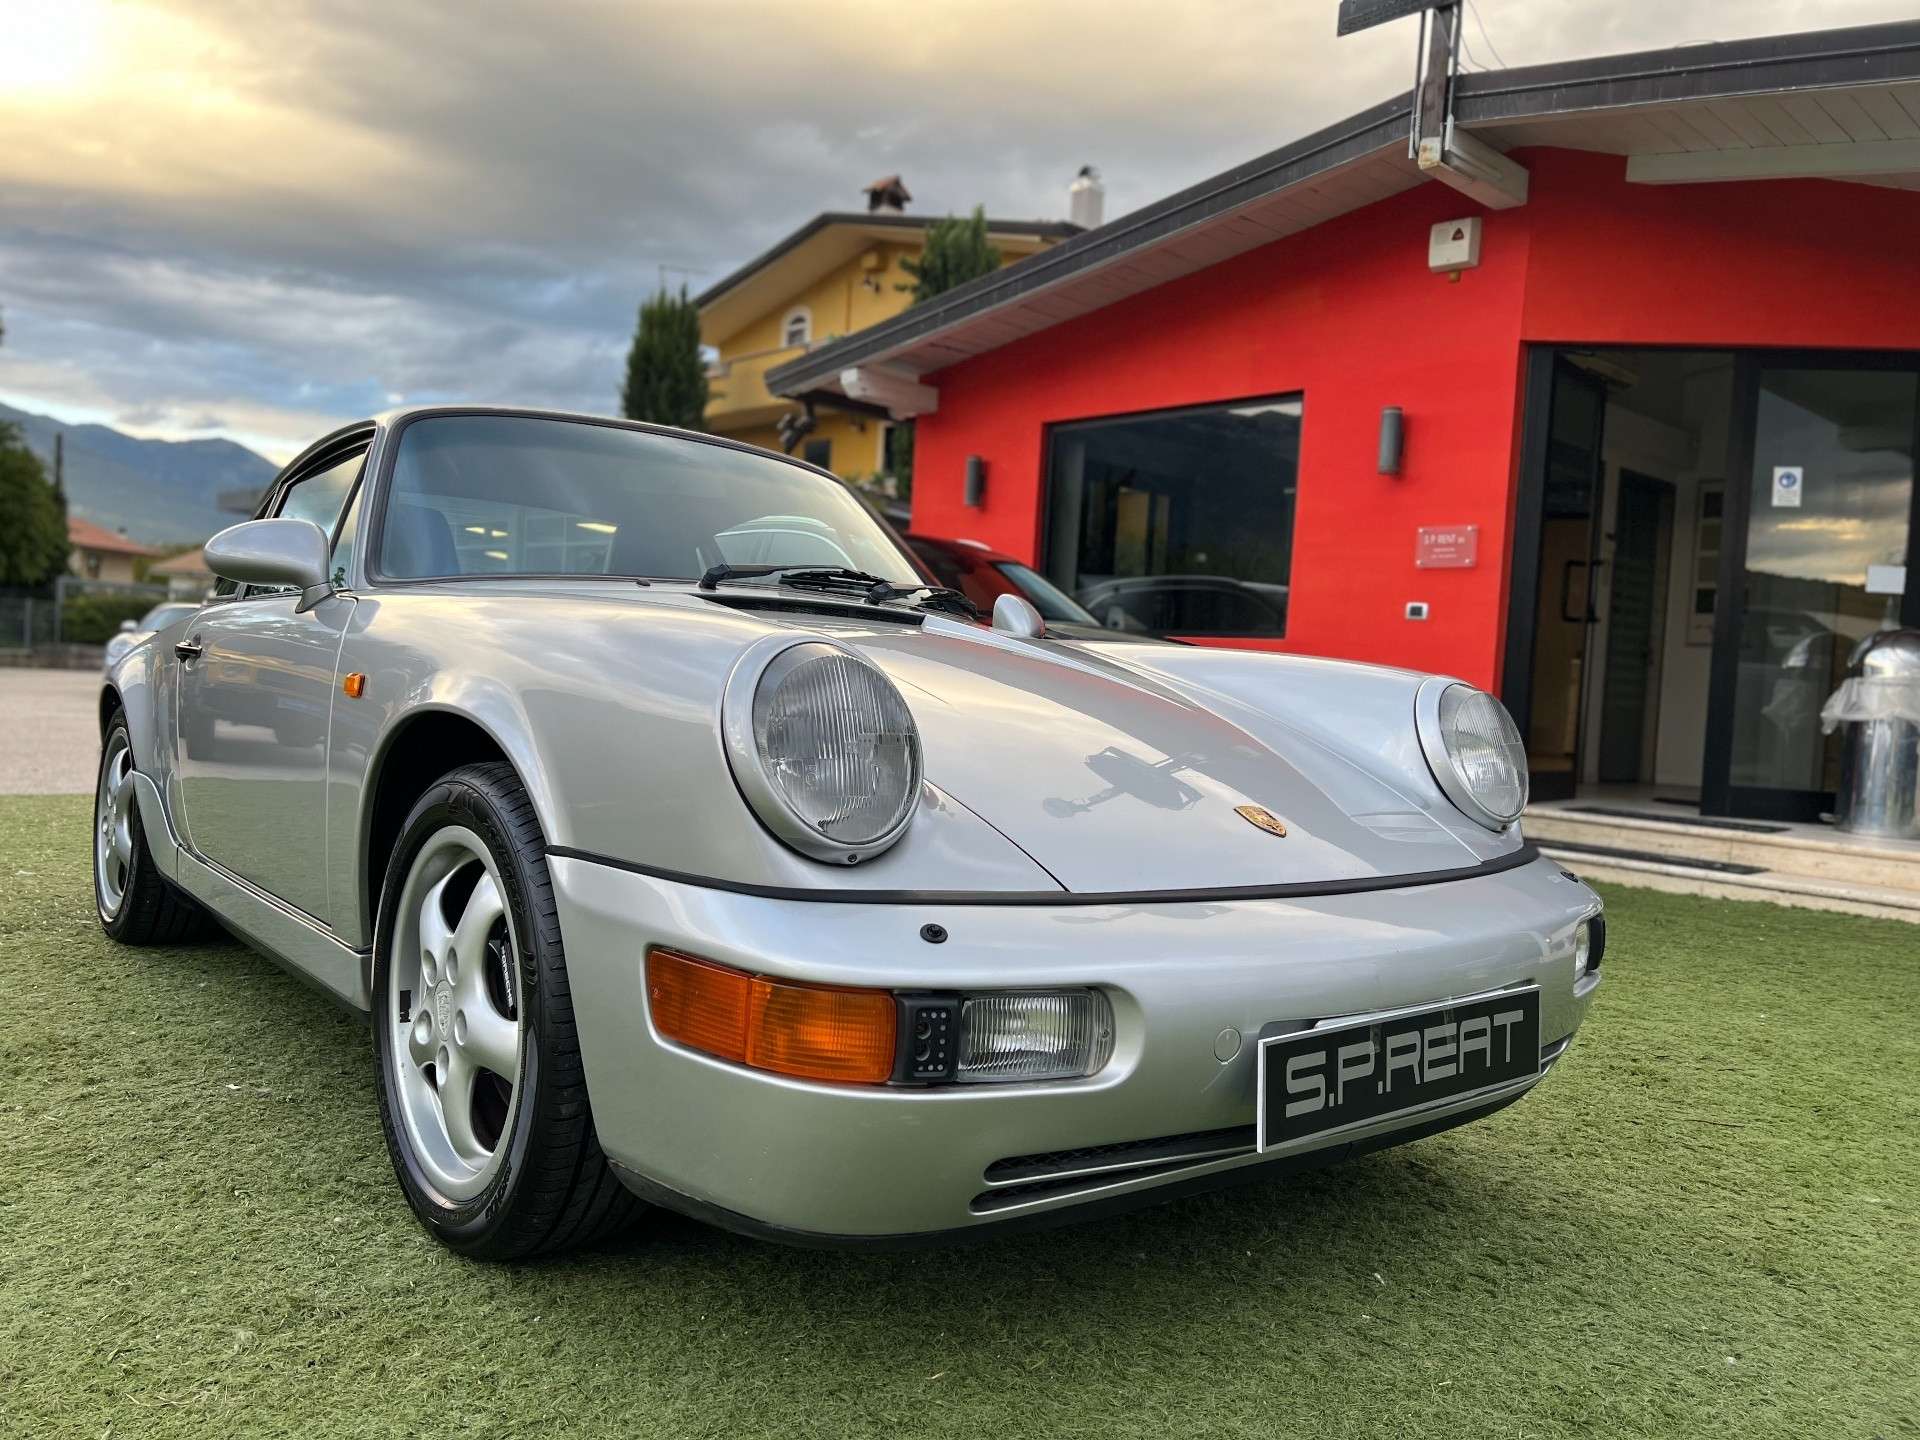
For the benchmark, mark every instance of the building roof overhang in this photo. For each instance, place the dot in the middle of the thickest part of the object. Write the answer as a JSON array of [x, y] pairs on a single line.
[[85, 535], [1841, 104], [817, 247]]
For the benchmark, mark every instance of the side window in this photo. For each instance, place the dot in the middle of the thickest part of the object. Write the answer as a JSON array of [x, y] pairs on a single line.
[[317, 497]]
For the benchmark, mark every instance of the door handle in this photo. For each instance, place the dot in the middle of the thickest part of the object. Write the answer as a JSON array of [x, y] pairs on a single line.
[[187, 650]]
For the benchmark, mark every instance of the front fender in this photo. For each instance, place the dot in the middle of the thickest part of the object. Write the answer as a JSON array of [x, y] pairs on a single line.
[[143, 683], [609, 712]]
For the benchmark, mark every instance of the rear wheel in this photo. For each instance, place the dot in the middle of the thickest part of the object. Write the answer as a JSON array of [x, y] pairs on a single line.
[[483, 1097], [137, 905]]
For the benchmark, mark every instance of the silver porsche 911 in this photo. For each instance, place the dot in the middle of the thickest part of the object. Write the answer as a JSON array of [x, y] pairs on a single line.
[[686, 845]]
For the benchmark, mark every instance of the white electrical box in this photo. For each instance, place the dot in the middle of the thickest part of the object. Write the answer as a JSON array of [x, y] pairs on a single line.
[[1453, 245]]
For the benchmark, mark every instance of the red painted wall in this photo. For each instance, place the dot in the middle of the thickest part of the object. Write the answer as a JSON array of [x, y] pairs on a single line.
[[1349, 315]]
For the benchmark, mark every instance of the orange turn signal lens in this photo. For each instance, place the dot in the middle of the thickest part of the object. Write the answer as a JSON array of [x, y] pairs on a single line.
[[813, 1032], [701, 1005]]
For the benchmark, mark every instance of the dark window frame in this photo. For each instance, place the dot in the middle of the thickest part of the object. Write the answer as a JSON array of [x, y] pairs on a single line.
[[1043, 518]]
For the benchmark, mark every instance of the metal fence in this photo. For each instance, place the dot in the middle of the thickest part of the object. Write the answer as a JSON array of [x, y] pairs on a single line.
[[30, 622]]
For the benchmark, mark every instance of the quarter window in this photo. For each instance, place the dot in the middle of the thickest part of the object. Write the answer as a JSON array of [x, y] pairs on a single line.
[[1178, 522]]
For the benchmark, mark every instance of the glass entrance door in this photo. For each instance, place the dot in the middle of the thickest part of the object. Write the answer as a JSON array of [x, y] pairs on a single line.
[[1563, 609], [1822, 533]]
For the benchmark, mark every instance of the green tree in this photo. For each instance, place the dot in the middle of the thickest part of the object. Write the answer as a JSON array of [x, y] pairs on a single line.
[[33, 532], [666, 378], [956, 251]]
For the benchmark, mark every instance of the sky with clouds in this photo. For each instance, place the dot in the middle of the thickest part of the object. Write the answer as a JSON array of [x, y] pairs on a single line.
[[261, 218]]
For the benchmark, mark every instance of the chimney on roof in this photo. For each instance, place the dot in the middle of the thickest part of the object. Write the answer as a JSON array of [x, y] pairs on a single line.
[[1087, 199], [887, 196]]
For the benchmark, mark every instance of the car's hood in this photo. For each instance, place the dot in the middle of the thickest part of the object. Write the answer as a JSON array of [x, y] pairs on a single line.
[[1114, 781]]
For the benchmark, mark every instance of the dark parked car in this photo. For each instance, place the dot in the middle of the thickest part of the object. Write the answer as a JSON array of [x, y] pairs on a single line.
[[984, 575], [1188, 605]]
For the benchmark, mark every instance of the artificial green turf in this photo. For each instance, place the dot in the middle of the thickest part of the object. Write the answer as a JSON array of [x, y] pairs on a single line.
[[1703, 1223]]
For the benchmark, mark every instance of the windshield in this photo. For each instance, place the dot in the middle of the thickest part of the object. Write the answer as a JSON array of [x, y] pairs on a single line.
[[162, 616], [517, 495]]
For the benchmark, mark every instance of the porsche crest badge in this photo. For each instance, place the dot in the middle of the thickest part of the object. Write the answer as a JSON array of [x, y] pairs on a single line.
[[1265, 819]]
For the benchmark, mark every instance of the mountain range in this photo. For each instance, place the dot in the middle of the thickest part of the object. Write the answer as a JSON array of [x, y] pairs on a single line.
[[159, 492]]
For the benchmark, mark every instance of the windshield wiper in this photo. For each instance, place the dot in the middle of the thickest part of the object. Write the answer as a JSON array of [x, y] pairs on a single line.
[[875, 589], [933, 597], [789, 575]]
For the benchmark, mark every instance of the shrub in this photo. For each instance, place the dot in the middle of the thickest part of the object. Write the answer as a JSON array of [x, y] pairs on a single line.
[[92, 618]]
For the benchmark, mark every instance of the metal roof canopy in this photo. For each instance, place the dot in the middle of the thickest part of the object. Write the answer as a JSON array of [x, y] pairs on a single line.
[[1835, 103]]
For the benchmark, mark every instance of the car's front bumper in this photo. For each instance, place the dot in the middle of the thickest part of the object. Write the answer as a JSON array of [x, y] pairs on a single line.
[[815, 1161]]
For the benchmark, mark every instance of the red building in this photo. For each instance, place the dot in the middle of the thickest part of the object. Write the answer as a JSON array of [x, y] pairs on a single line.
[[1651, 327]]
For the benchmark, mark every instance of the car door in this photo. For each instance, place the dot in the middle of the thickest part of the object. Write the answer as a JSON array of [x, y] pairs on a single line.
[[256, 700]]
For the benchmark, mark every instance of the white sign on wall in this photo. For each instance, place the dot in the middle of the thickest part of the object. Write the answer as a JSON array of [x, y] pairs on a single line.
[[1788, 482]]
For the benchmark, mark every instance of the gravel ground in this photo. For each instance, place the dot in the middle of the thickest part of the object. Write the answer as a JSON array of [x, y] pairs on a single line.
[[49, 731]]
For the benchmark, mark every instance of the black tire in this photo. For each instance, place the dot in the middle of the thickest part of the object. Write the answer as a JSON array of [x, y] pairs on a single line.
[[555, 1189], [153, 910]]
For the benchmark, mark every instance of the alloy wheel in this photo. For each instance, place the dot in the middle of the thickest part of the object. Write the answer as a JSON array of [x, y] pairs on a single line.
[[113, 826], [453, 1004]]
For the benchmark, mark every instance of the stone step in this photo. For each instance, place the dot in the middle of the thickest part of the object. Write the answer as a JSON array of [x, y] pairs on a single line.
[[1836, 858], [1733, 881]]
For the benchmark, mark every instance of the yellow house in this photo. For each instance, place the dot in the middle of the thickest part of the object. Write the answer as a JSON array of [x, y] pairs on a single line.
[[838, 273]]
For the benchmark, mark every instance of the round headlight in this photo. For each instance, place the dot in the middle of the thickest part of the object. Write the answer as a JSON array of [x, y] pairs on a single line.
[[823, 748], [1474, 750]]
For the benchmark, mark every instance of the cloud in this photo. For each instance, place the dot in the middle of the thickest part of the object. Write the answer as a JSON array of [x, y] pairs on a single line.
[[281, 214]]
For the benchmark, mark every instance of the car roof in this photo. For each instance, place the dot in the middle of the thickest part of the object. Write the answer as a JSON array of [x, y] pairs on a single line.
[[973, 549]]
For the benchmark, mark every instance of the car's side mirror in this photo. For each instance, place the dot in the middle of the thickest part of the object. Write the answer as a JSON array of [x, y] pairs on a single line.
[[273, 552]]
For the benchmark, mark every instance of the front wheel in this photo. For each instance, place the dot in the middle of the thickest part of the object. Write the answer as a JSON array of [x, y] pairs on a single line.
[[483, 1097]]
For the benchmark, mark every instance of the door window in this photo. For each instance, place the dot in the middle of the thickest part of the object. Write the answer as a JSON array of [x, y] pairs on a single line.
[[318, 497]]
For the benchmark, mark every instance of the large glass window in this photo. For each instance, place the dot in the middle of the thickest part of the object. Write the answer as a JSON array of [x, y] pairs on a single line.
[[515, 495], [1178, 522], [1829, 500]]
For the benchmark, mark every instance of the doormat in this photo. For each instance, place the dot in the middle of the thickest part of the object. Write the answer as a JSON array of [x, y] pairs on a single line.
[[1752, 827], [1684, 862]]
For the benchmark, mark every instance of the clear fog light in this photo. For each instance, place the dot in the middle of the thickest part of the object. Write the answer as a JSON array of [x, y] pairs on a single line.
[[1054, 1035], [1582, 948]]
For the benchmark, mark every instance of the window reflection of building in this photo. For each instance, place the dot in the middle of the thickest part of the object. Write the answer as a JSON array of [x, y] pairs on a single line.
[[1178, 521]]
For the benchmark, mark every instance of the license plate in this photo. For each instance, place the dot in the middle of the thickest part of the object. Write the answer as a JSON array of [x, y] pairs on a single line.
[[1350, 1072]]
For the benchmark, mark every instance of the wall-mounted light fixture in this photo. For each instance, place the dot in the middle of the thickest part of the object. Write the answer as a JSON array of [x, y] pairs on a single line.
[[1393, 439], [975, 492]]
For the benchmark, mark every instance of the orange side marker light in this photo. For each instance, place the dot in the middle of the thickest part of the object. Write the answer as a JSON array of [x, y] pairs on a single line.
[[355, 685]]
